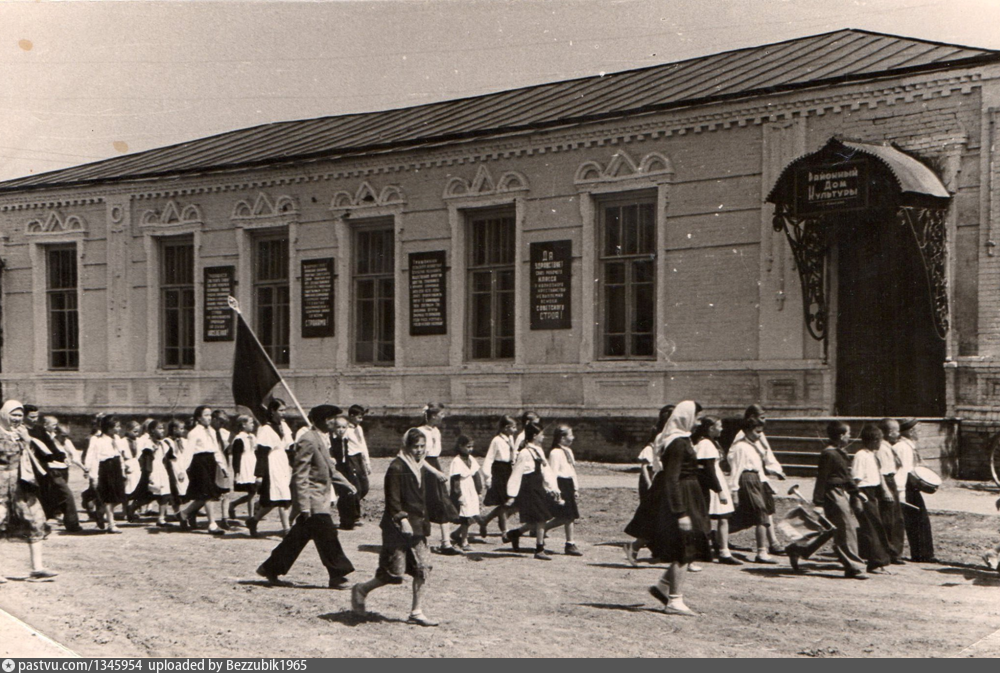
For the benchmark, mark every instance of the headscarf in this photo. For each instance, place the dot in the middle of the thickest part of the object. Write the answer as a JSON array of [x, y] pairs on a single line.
[[6, 424], [29, 466], [681, 423], [415, 467]]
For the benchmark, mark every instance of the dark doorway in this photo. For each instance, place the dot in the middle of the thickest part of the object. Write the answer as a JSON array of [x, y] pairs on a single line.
[[889, 357]]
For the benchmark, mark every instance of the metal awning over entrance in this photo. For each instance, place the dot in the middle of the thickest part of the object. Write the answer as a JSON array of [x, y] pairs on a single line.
[[845, 179]]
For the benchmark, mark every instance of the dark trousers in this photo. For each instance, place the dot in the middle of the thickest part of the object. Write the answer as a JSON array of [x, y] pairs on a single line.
[[57, 498], [873, 543], [360, 475], [349, 504], [918, 527], [320, 529], [892, 520]]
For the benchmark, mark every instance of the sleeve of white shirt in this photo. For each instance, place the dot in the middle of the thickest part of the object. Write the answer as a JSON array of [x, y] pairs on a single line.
[[737, 464], [770, 461], [456, 467], [523, 465], [860, 466], [364, 444], [93, 461], [491, 455], [646, 455]]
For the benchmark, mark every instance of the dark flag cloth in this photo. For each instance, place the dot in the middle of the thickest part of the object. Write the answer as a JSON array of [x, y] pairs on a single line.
[[253, 374]]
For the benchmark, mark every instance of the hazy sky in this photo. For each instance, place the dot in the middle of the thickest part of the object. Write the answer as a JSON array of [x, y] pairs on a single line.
[[89, 80]]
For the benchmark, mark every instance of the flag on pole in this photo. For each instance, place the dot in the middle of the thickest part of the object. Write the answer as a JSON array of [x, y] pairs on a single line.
[[253, 373]]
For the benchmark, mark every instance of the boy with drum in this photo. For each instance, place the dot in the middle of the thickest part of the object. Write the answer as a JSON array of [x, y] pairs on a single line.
[[915, 518]]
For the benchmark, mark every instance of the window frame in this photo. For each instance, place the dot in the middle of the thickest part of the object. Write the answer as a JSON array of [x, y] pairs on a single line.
[[471, 218], [163, 243], [71, 253], [378, 280], [638, 198], [267, 333]]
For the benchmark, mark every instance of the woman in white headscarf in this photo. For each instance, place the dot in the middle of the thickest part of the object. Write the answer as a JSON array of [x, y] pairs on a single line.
[[677, 533], [21, 512]]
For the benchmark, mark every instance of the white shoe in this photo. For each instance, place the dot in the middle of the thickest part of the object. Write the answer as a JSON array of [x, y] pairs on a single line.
[[676, 606]]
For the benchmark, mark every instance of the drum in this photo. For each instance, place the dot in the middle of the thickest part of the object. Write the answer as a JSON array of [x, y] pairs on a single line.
[[924, 479]]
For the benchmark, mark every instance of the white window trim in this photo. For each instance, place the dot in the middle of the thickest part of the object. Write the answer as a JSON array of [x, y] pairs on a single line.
[[458, 292], [39, 295], [152, 238], [345, 222], [590, 196]]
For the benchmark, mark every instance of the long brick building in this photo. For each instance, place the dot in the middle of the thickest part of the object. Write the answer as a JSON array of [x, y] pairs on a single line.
[[592, 249]]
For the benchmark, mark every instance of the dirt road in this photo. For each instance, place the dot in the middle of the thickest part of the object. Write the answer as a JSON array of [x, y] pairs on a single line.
[[151, 593]]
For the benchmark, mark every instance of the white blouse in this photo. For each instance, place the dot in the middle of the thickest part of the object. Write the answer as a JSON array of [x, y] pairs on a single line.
[[101, 448], [433, 436], [887, 460], [744, 457], [906, 452], [865, 469], [501, 451], [562, 462], [649, 456], [525, 464]]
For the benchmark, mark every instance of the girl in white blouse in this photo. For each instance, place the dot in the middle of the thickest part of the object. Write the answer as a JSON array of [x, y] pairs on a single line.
[[273, 468], [753, 500], [563, 465], [105, 463], [244, 459], [466, 483], [208, 460], [440, 509], [533, 487], [155, 457], [497, 466]]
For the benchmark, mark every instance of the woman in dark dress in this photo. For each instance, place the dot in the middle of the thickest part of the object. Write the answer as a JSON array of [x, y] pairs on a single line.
[[677, 534]]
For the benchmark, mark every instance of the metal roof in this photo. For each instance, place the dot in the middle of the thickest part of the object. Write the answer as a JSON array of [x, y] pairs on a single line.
[[839, 56]]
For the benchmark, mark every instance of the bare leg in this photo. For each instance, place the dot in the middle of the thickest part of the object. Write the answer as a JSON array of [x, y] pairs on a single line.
[[283, 514], [418, 594], [722, 533], [109, 514]]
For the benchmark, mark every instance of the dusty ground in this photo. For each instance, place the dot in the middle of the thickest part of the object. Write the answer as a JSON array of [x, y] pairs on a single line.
[[150, 593]]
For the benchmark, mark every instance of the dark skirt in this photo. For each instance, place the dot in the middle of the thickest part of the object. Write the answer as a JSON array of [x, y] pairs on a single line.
[[873, 541], [245, 488], [533, 503], [643, 489], [644, 520], [756, 503], [440, 508], [567, 510], [110, 482], [499, 476], [201, 478], [668, 542]]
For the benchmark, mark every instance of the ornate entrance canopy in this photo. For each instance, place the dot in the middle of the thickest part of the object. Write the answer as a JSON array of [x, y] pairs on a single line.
[[845, 179]]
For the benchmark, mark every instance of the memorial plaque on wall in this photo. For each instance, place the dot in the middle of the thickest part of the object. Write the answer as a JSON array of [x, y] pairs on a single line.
[[831, 188], [428, 293], [317, 298], [218, 319], [551, 264]]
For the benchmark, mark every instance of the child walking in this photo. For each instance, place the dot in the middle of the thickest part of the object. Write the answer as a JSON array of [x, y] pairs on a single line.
[[533, 488], [273, 469], [720, 502], [105, 465], [563, 466], [405, 528], [440, 508], [244, 465], [497, 467], [754, 500], [155, 460], [466, 485]]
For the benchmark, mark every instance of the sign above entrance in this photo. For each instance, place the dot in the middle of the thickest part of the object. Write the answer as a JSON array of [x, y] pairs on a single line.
[[831, 188]]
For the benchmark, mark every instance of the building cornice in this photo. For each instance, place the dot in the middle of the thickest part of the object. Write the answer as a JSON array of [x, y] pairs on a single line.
[[628, 129]]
